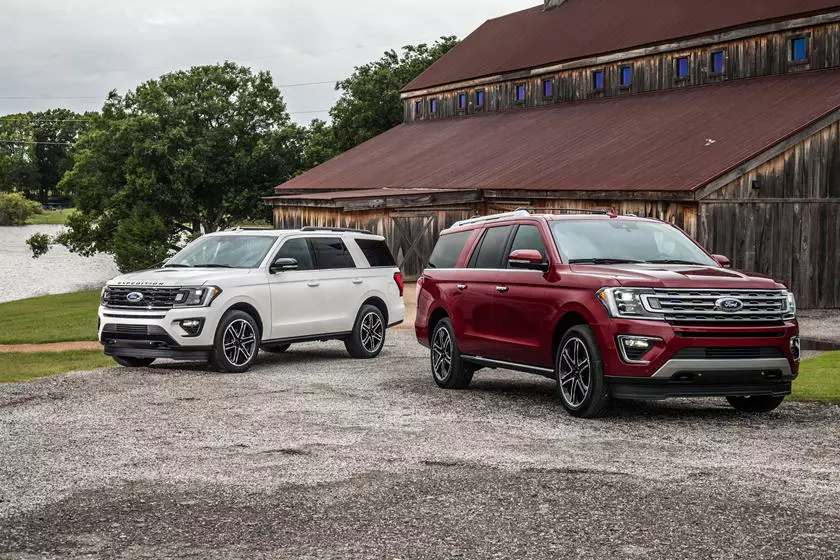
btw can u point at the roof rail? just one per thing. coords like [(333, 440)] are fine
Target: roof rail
[(565, 211), (518, 213), (337, 230), (240, 228)]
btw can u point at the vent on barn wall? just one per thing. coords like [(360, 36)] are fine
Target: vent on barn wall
[(551, 4)]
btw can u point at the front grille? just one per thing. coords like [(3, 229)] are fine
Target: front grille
[(700, 307), (729, 353), (153, 298), (126, 329)]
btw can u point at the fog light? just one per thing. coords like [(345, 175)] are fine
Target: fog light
[(192, 326), (634, 348), (796, 348)]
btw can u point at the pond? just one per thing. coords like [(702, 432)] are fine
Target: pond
[(57, 272)]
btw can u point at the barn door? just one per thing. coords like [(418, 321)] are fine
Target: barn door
[(412, 241)]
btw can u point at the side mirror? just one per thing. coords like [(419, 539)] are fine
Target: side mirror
[(281, 265), (723, 261), (527, 259)]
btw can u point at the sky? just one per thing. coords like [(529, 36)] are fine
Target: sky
[(70, 53)]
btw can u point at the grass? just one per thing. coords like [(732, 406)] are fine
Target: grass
[(819, 379), (16, 367), (51, 217), (59, 318)]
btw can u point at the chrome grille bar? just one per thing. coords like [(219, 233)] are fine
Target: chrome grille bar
[(700, 306)]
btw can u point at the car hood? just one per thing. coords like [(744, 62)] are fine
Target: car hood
[(679, 276), (181, 277)]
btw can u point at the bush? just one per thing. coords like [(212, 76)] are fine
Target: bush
[(39, 243), (15, 209)]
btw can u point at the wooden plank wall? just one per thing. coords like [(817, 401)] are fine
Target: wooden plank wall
[(783, 220), (755, 56)]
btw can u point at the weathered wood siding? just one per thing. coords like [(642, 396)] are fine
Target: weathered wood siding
[(783, 220), (744, 58)]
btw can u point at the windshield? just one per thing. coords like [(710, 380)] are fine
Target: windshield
[(624, 241), (224, 251)]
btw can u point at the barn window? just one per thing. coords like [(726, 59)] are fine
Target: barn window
[(434, 106), (548, 88), (598, 80), (462, 101), (418, 107), (479, 98), (520, 93), (717, 62), (799, 49), (626, 76), (682, 67)]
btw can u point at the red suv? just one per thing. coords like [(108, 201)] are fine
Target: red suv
[(607, 305)]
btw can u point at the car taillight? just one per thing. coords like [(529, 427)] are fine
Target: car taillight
[(399, 281)]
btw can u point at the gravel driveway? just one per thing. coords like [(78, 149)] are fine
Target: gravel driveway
[(314, 455)]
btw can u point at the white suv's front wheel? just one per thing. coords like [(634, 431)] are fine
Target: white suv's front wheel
[(368, 336), (237, 343)]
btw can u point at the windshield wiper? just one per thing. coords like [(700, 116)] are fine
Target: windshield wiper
[(213, 266), (605, 261), (675, 261), (177, 266)]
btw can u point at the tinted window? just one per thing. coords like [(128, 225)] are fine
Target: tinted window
[(331, 253), (448, 249), (297, 249), (376, 252), (528, 237), (234, 251), (490, 251)]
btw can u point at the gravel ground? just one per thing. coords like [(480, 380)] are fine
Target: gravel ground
[(312, 455)]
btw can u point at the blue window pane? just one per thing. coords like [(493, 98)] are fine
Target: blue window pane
[(598, 80), (434, 105), (800, 49), (419, 107), (682, 67), (462, 101), (717, 62), (547, 88), (626, 76), (479, 99), (520, 93)]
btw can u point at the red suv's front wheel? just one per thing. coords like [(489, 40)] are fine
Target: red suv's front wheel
[(580, 373)]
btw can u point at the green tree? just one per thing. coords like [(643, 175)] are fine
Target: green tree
[(18, 172), (189, 152), (55, 132), (370, 100)]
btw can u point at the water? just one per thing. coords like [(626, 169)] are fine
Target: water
[(57, 272)]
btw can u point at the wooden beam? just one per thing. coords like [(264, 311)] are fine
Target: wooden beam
[(499, 195), (685, 44)]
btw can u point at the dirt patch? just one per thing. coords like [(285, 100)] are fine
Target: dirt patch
[(53, 347)]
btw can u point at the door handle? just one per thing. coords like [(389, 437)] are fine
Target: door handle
[(358, 281), (502, 289), (461, 287), (313, 284)]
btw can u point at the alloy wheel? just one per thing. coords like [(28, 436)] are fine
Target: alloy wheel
[(240, 342), (575, 372), (442, 354), (373, 332)]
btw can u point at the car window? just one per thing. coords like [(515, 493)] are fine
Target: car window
[(448, 249), (490, 251), (528, 237), (331, 253), (297, 249), (376, 252), (229, 251)]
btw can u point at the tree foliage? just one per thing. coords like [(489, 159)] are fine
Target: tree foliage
[(15, 209), (191, 151)]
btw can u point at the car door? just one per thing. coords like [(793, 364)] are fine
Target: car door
[(340, 286), (295, 294), (523, 311), (473, 316)]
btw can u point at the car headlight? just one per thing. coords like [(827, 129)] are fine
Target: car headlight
[(790, 312), (103, 297), (195, 297), (627, 303)]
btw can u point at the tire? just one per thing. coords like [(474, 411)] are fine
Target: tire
[(755, 404), (126, 361), (368, 337), (579, 371), (276, 348), (448, 369), (237, 343)]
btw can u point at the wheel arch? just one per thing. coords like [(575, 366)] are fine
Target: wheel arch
[(250, 310), (435, 317), (570, 318), (378, 303)]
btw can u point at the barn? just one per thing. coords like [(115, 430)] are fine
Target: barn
[(722, 117)]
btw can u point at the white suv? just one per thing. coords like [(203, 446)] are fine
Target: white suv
[(227, 295)]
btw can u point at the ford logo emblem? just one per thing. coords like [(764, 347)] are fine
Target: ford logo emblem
[(134, 297), (730, 305)]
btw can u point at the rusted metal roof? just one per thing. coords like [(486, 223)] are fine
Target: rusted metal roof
[(365, 193), (676, 140), (584, 28)]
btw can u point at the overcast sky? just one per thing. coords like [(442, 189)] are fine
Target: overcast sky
[(84, 48)]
